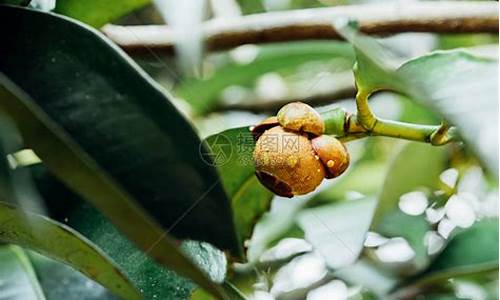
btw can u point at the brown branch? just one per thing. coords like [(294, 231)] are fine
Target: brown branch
[(335, 95), (307, 24)]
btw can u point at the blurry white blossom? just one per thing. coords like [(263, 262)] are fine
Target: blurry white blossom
[(301, 272), (374, 239), (434, 242), (395, 250), (334, 290), (449, 177), (413, 203), (460, 212), (445, 227)]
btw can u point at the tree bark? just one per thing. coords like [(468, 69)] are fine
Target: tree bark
[(316, 24)]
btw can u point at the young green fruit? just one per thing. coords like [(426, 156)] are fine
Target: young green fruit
[(300, 117), (286, 162)]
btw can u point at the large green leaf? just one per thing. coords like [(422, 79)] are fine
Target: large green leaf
[(97, 12), (154, 281), (332, 232), (17, 278), (471, 251), (64, 244), (103, 113), (151, 239), (116, 120), (204, 94), (460, 86), (249, 198)]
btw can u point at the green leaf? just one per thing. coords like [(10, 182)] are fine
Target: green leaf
[(17, 278), (110, 134), (249, 198), (96, 12), (110, 122), (416, 166), (460, 86), (64, 244), (332, 232), (154, 281), (203, 95), (471, 251)]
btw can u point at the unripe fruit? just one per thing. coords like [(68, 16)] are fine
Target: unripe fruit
[(286, 163), (332, 153), (300, 117)]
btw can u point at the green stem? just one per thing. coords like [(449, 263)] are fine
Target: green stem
[(349, 127)]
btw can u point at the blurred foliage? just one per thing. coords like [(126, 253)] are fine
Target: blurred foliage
[(97, 13)]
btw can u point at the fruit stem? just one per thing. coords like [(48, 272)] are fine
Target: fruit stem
[(349, 127)]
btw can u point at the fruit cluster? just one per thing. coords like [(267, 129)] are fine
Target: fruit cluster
[(292, 155)]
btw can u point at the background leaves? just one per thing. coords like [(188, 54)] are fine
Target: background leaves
[(97, 13)]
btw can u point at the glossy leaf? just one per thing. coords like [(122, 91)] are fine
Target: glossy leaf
[(332, 232), (249, 198), (204, 94), (17, 278), (153, 280), (58, 122), (115, 119), (462, 87), (134, 134), (471, 251), (95, 12), (64, 244)]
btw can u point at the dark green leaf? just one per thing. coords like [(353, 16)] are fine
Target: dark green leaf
[(332, 232), (154, 281), (96, 12), (204, 94), (103, 113), (233, 150), (462, 87), (64, 244), (17, 278), (112, 120)]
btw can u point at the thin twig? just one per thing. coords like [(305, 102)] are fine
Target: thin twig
[(307, 24)]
